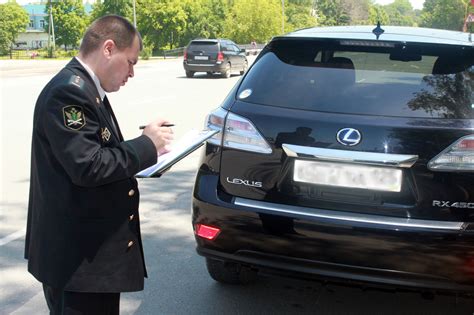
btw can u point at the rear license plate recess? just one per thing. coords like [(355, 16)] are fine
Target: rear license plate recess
[(348, 175)]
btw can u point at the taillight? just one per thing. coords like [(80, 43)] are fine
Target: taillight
[(215, 121), (206, 231), (185, 55), (239, 132), (220, 56), (457, 157)]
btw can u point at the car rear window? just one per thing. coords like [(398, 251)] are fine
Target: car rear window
[(203, 46), (369, 78)]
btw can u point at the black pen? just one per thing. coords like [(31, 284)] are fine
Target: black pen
[(164, 125)]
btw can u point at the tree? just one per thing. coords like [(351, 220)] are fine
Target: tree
[(443, 14), (13, 20), (400, 12), (448, 96), (205, 19), (250, 20), (378, 14), (332, 12), (299, 14), (162, 23), (357, 10), (69, 22), (118, 7)]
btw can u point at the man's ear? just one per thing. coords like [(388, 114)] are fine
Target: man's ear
[(108, 48)]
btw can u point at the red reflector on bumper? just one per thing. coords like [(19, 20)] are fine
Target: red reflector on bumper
[(207, 232)]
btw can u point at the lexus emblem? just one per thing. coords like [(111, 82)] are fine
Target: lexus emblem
[(348, 136)]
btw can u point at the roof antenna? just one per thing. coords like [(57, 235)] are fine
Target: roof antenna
[(378, 30)]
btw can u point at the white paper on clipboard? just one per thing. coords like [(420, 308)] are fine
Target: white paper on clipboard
[(187, 144)]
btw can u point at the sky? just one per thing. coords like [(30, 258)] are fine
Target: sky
[(417, 4)]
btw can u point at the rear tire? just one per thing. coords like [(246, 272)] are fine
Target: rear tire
[(189, 74), (230, 273), (244, 69), (226, 72)]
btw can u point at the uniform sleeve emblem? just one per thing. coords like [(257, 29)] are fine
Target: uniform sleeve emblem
[(74, 117)]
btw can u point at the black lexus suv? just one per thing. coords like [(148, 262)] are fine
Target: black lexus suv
[(214, 55), (345, 153)]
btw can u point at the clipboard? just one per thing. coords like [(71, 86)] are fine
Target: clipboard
[(187, 144)]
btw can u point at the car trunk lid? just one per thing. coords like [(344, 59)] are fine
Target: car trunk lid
[(306, 155)]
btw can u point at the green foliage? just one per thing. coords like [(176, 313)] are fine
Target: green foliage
[(444, 14), (358, 11), (206, 19), (332, 12), (117, 7), (401, 12), (305, 3), (147, 51), (378, 14), (69, 22), (13, 19), (167, 24), (163, 22), (299, 14), (250, 20), (65, 54)]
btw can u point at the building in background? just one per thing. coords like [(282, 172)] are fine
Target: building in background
[(36, 34)]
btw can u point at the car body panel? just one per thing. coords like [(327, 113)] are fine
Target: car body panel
[(436, 259), (403, 109), (400, 135), (391, 33)]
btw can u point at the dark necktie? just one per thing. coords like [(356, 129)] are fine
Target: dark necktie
[(112, 118)]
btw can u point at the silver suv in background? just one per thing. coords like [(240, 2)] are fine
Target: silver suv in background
[(214, 56)]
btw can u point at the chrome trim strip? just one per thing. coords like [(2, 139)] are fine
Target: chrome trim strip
[(359, 157), (352, 217), (201, 64)]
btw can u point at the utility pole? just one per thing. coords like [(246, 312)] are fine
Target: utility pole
[(283, 16), (51, 31), (134, 15), (51, 23)]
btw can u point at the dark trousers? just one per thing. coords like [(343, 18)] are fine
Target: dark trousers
[(62, 302)]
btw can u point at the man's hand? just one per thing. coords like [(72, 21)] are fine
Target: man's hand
[(161, 136)]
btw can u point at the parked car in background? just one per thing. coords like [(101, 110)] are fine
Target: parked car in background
[(345, 153), (214, 56)]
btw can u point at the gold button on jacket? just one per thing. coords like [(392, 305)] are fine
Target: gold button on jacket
[(131, 192)]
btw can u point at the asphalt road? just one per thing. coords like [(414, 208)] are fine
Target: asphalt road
[(178, 282)]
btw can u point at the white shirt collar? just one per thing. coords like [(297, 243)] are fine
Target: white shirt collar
[(94, 78)]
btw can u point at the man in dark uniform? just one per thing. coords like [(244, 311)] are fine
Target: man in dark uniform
[(83, 235)]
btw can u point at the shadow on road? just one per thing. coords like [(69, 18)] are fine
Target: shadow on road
[(178, 282)]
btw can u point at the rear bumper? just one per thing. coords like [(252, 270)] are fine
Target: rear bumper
[(204, 67), (304, 269), (330, 244)]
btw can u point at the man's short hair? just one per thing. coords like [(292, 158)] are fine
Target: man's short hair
[(113, 27)]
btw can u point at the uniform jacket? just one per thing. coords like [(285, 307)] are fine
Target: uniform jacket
[(83, 230)]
